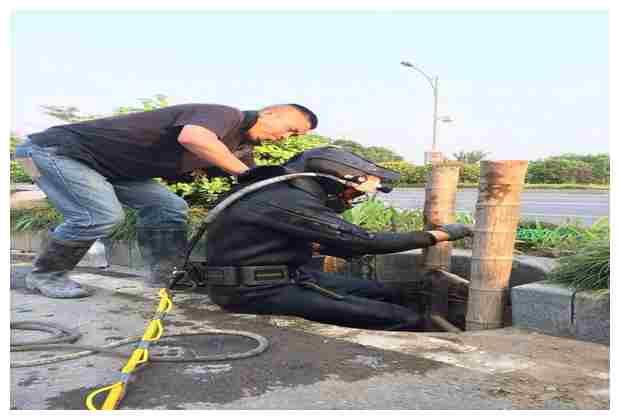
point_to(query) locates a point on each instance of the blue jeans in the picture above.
(92, 205)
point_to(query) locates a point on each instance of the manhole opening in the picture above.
(452, 301)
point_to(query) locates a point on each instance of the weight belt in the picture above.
(248, 275)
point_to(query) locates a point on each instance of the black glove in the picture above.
(258, 173)
(456, 231)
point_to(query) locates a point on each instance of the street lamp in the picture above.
(434, 155)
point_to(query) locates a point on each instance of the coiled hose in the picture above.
(64, 338)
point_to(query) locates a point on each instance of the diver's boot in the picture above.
(50, 268)
(163, 251)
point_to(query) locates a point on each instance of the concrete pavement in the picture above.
(307, 366)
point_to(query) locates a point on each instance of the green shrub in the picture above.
(203, 192)
(375, 215)
(18, 175)
(46, 218)
(569, 169)
(410, 173)
(588, 269)
(35, 219)
(417, 174)
(598, 165)
(406, 170)
(470, 174)
(272, 153)
(420, 174)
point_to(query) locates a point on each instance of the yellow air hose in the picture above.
(140, 355)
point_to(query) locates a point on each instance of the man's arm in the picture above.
(314, 222)
(206, 145)
(383, 242)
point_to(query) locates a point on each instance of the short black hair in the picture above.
(311, 116)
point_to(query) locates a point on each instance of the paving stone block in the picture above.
(592, 316)
(544, 307)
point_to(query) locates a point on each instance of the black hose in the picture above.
(60, 333)
(64, 337)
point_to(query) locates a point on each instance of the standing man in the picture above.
(88, 170)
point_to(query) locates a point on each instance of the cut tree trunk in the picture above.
(497, 218)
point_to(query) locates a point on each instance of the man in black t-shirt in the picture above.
(88, 170)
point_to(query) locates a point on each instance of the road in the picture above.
(554, 206)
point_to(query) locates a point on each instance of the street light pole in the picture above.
(435, 95)
(434, 155)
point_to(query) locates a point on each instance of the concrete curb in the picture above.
(559, 310)
(592, 316)
(102, 253)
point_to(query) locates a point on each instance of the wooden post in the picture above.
(497, 219)
(439, 208)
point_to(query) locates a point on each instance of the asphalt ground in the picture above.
(554, 206)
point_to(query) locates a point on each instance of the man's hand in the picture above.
(455, 231)
(259, 173)
(206, 145)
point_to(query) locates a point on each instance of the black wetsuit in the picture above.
(277, 226)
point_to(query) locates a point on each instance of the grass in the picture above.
(588, 269)
(550, 240)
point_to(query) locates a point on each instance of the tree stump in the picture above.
(497, 218)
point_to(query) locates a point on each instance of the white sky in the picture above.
(520, 85)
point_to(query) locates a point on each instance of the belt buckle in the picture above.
(260, 276)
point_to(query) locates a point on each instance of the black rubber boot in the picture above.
(50, 268)
(163, 250)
